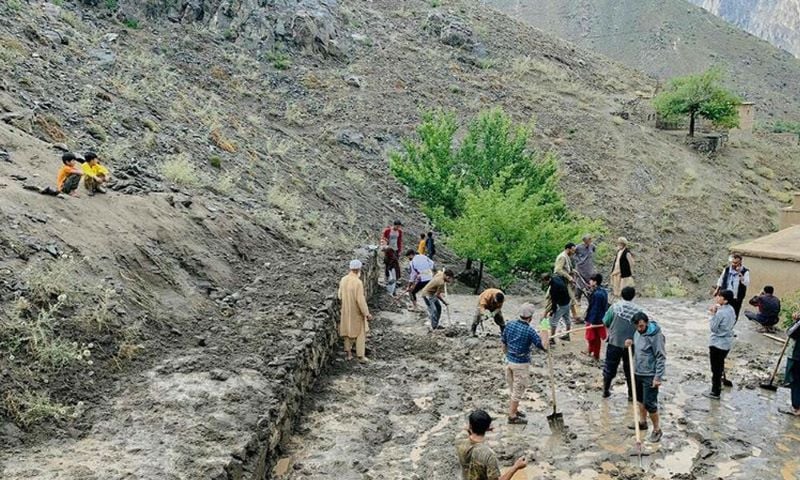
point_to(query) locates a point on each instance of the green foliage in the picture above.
(112, 4)
(131, 23)
(498, 199)
(785, 126)
(279, 59)
(790, 305)
(699, 95)
(215, 162)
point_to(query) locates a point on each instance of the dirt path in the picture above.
(397, 417)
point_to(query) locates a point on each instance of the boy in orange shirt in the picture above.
(69, 175)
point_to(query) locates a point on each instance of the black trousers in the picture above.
(717, 358)
(614, 355)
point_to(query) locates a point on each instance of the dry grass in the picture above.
(180, 170)
(51, 127)
(49, 280)
(221, 141)
(29, 408)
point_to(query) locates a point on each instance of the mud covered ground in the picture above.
(397, 417)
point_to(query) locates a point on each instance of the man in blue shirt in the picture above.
(518, 340)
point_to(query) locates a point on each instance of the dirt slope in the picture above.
(669, 38)
(251, 159)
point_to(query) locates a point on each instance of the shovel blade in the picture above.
(769, 386)
(556, 422)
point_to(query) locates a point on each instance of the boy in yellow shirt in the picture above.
(94, 174)
(421, 246)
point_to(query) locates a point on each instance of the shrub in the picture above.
(790, 304)
(29, 408)
(279, 59)
(215, 162)
(178, 169)
(131, 23)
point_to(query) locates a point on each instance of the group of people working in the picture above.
(623, 324)
(75, 168)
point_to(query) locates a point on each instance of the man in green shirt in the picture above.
(478, 461)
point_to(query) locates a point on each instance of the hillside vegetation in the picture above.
(250, 143)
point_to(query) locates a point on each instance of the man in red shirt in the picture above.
(392, 245)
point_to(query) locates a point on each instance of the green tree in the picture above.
(699, 95)
(498, 199)
(514, 232)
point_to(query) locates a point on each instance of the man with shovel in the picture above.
(792, 374)
(519, 338)
(650, 362)
(619, 321)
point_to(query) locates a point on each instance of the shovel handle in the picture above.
(552, 379)
(635, 400)
(777, 365)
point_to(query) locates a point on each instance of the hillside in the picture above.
(776, 21)
(669, 38)
(250, 143)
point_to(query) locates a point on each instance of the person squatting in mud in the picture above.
(433, 295)
(490, 305)
(478, 461)
(355, 316)
(419, 274)
(518, 339)
(619, 321)
(650, 363)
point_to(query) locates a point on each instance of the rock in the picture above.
(5, 156)
(10, 434)
(350, 138)
(20, 178)
(61, 146)
(219, 375)
(53, 250)
(353, 81)
(31, 187)
(102, 57)
(361, 39)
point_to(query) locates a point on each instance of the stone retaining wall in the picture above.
(301, 367)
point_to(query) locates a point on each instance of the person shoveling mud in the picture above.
(518, 339)
(650, 362)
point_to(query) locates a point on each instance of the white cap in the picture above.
(355, 265)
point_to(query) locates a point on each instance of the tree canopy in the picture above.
(701, 94)
(498, 199)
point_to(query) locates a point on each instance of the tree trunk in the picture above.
(691, 123)
(480, 278)
(469, 264)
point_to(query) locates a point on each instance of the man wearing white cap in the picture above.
(519, 338)
(355, 318)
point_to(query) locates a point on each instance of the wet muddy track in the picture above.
(397, 417)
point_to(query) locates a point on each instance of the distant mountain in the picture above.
(777, 21)
(673, 37)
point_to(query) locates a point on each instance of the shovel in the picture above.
(769, 386)
(556, 420)
(639, 451)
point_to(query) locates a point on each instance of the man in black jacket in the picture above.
(558, 304)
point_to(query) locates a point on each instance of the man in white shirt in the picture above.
(420, 273)
(736, 278)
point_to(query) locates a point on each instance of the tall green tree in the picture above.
(498, 199)
(699, 95)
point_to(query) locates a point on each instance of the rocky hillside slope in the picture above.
(776, 21)
(666, 38)
(249, 141)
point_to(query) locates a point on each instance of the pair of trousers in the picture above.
(614, 355)
(417, 287)
(795, 388)
(361, 344)
(434, 310)
(717, 358)
(518, 378)
(391, 262)
(71, 183)
(760, 319)
(594, 347)
(498, 319)
(561, 314)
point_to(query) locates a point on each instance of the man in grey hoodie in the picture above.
(650, 363)
(721, 340)
(618, 320)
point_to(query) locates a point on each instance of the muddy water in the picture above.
(397, 417)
